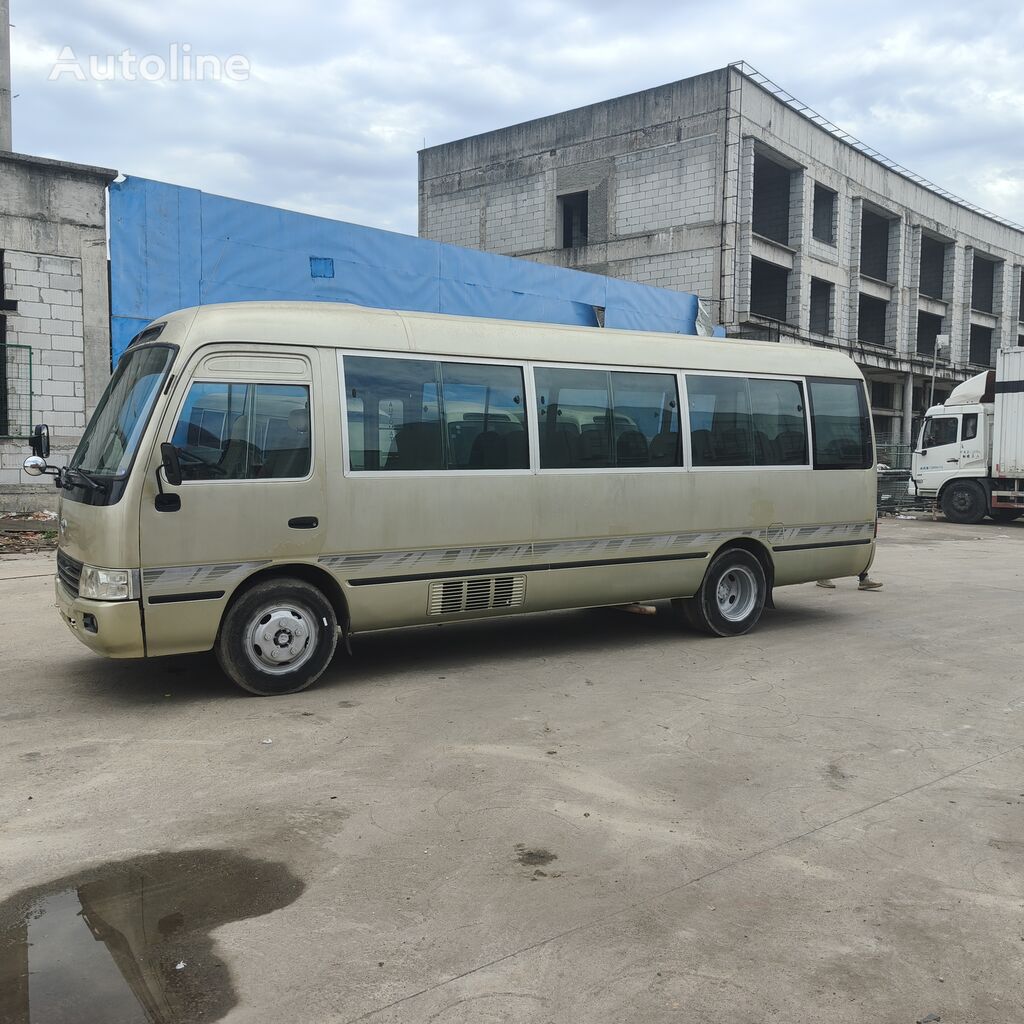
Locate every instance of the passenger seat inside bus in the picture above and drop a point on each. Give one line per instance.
(631, 449)
(664, 449)
(287, 453)
(417, 446)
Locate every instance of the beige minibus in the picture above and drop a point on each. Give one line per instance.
(259, 477)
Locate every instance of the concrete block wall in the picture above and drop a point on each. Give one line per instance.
(454, 219)
(48, 290)
(513, 218)
(665, 187)
(667, 270)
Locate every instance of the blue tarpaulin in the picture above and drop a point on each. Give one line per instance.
(172, 247)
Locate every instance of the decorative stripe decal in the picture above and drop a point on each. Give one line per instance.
(433, 563)
(209, 582)
(184, 579)
(1009, 387)
(547, 567)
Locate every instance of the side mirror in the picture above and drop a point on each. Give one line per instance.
(39, 442)
(35, 465)
(172, 471)
(170, 466)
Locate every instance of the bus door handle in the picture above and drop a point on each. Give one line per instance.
(952, 460)
(304, 523)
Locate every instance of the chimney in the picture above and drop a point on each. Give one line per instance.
(5, 76)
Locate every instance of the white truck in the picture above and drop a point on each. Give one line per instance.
(970, 453)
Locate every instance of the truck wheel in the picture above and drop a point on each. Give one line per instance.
(963, 502)
(1005, 515)
(277, 637)
(731, 598)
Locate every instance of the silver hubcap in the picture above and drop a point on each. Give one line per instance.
(281, 638)
(736, 593)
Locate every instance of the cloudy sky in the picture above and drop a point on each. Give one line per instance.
(340, 96)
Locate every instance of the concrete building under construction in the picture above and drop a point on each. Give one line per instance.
(785, 226)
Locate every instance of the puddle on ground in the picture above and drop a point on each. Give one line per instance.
(129, 942)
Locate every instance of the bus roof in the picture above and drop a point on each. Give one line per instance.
(342, 325)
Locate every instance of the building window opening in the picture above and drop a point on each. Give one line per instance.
(874, 246)
(772, 183)
(824, 221)
(929, 327)
(572, 210)
(769, 290)
(871, 320)
(933, 268)
(983, 287)
(821, 306)
(981, 345)
(883, 395)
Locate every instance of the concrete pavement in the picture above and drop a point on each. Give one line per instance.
(583, 816)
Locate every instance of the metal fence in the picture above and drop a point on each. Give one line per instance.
(15, 390)
(895, 491)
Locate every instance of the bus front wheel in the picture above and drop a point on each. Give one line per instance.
(277, 637)
(731, 598)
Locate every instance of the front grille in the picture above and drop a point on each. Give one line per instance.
(480, 593)
(69, 571)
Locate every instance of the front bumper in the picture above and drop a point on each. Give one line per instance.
(110, 628)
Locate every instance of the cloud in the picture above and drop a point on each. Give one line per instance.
(341, 96)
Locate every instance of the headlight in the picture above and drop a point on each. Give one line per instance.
(107, 584)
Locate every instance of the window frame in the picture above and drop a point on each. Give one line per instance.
(865, 415)
(802, 381)
(664, 371)
(255, 381)
(528, 366)
(419, 474)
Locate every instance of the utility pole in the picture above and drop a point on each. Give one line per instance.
(6, 144)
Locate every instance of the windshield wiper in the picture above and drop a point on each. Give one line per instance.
(94, 485)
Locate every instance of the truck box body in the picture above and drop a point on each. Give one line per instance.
(1008, 430)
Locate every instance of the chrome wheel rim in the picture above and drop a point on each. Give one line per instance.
(281, 638)
(736, 593)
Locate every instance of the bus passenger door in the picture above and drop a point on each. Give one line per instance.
(250, 437)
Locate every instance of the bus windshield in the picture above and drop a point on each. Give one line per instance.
(108, 446)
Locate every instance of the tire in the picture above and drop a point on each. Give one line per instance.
(731, 597)
(303, 632)
(1005, 515)
(964, 502)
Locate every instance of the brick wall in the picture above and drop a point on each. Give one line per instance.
(48, 290)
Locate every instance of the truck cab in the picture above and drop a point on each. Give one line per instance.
(954, 443)
(968, 452)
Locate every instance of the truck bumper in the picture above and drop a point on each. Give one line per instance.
(110, 628)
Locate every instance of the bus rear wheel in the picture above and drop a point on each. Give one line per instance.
(731, 598)
(963, 502)
(277, 637)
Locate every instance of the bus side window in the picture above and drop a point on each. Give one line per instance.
(230, 431)
(842, 432)
(720, 425)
